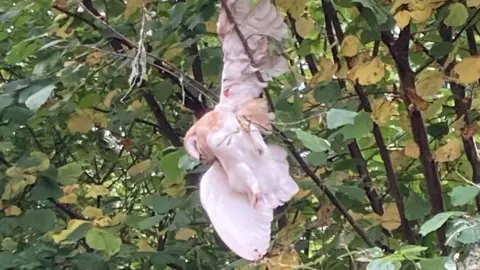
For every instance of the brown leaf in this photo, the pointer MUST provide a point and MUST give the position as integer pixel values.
(416, 100)
(324, 213)
(470, 130)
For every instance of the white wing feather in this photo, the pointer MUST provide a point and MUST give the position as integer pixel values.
(244, 229)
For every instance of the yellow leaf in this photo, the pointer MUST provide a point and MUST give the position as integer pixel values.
(13, 211)
(103, 221)
(473, 3)
(367, 72)
(29, 179)
(44, 162)
(285, 4)
(108, 99)
(73, 224)
(404, 121)
(434, 108)
(144, 246)
(383, 110)
(350, 46)
(119, 218)
(326, 72)
(139, 168)
(13, 188)
(468, 70)
(399, 160)
(69, 199)
(285, 261)
(1, 204)
(92, 212)
(449, 152)
(132, 6)
(391, 217)
(342, 72)
(135, 106)
(64, 31)
(70, 188)
(297, 8)
(171, 52)
(421, 15)
(80, 123)
(211, 26)
(94, 58)
(411, 149)
(175, 190)
(15, 172)
(96, 190)
(402, 18)
(429, 82)
(458, 123)
(185, 234)
(304, 26)
(301, 194)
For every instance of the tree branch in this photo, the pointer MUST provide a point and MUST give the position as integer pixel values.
(462, 107)
(331, 16)
(399, 49)
(164, 126)
(355, 152)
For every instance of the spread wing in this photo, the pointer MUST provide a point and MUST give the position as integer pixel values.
(276, 184)
(244, 229)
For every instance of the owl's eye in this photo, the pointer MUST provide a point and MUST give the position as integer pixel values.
(226, 92)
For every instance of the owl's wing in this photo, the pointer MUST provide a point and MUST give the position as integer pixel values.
(244, 229)
(276, 184)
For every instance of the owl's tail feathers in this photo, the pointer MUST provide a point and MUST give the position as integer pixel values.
(244, 229)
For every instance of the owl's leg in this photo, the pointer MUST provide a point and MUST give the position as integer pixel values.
(257, 140)
(244, 172)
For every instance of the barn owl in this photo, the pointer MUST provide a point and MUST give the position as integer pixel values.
(248, 176)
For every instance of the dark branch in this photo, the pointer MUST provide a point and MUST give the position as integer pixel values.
(394, 189)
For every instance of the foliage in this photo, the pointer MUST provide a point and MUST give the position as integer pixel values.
(93, 179)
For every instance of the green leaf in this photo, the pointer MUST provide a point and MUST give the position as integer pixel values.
(416, 207)
(161, 204)
(363, 125)
(177, 14)
(383, 264)
(148, 223)
(312, 142)
(41, 220)
(163, 90)
(441, 49)
(44, 189)
(103, 240)
(6, 100)
(434, 263)
(35, 101)
(352, 192)
(69, 174)
(328, 93)
(437, 221)
(169, 165)
(21, 51)
(338, 117)
(317, 158)
(89, 100)
(457, 15)
(411, 250)
(380, 14)
(463, 195)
